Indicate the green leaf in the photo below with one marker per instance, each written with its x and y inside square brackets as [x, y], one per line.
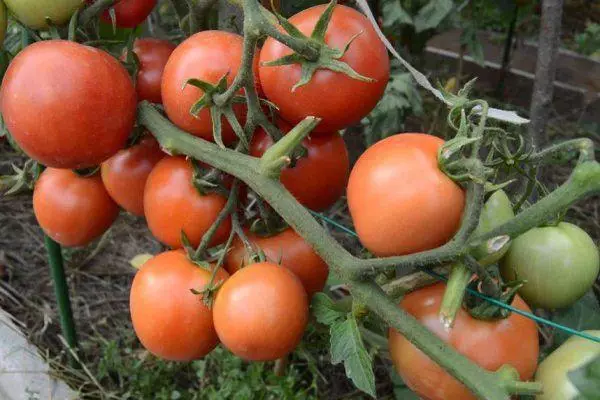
[324, 309]
[583, 315]
[347, 347]
[432, 14]
[470, 39]
[587, 380]
[394, 15]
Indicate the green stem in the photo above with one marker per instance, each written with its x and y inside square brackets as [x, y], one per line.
[94, 10]
[276, 156]
[61, 291]
[225, 212]
[583, 182]
[523, 388]
[454, 294]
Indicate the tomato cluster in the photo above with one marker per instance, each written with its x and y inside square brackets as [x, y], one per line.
[257, 302]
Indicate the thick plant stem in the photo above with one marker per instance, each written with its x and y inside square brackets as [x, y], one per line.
[61, 291]
[454, 294]
[583, 182]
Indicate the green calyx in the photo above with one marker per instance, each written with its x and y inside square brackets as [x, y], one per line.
[23, 179]
[328, 57]
[217, 111]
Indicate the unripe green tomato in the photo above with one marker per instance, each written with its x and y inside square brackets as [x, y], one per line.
[3, 21]
[560, 264]
[571, 355]
[33, 13]
[496, 211]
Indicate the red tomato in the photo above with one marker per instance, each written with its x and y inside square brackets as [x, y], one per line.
[490, 344]
[172, 322]
[125, 174]
[399, 200]
[71, 209]
[130, 13]
[260, 313]
[172, 205]
[153, 55]
[333, 96]
[288, 249]
[318, 180]
[208, 56]
[68, 105]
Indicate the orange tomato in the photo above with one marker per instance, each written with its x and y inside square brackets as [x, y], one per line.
[399, 200]
[71, 209]
[125, 174]
[490, 344]
[172, 204]
[172, 322]
[288, 249]
[260, 313]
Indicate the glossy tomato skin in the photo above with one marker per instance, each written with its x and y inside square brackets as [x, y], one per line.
[153, 55]
[124, 175]
[71, 209]
[288, 249]
[560, 264]
[335, 97]
[78, 122]
[571, 355]
[496, 211]
[130, 13]
[172, 205]
[490, 344]
[33, 13]
[318, 180]
[399, 200]
[208, 56]
[260, 313]
[172, 322]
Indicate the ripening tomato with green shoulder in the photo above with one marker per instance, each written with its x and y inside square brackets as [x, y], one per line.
[82, 98]
[559, 263]
[72, 210]
[124, 175]
[399, 199]
[496, 211]
[168, 318]
[333, 96]
[317, 180]
[260, 313]
[33, 13]
[286, 248]
[207, 56]
[153, 55]
[573, 354]
[490, 344]
[173, 205]
[130, 13]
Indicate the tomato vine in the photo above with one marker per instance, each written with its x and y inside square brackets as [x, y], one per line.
[261, 177]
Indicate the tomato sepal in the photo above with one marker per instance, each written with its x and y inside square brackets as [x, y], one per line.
[328, 57]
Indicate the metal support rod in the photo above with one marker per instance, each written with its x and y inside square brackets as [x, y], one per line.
[61, 291]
